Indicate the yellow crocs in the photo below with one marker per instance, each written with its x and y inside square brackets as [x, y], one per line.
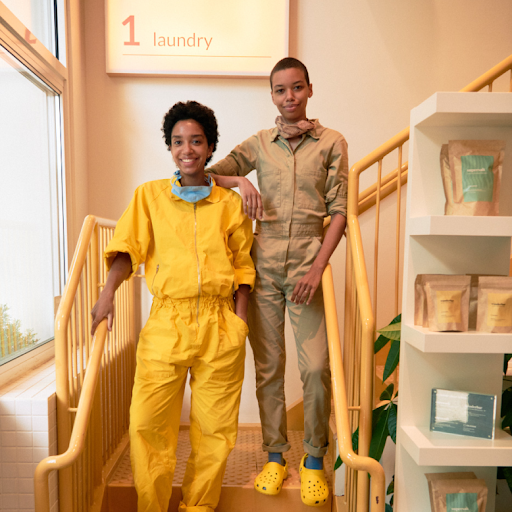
[270, 480]
[314, 490]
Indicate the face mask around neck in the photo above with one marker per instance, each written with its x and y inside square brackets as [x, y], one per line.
[191, 194]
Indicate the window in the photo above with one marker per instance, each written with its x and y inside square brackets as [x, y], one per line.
[43, 19]
[32, 210]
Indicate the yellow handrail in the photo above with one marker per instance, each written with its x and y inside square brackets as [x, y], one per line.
[76, 446]
[357, 462]
[92, 419]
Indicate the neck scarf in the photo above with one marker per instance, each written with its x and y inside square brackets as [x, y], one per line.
[288, 131]
[191, 194]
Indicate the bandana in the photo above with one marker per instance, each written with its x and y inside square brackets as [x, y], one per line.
[288, 131]
[191, 194]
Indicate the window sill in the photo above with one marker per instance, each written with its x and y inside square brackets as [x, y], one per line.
[24, 364]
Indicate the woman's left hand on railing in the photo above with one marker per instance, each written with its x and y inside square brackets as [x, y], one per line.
[104, 308]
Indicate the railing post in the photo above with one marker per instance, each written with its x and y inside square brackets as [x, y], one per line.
[63, 414]
[96, 430]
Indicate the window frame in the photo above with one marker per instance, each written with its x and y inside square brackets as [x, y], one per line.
[24, 47]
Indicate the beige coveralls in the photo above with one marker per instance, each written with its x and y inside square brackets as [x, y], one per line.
[196, 256]
[298, 189]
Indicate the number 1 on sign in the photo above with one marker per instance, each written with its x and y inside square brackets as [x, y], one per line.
[131, 21]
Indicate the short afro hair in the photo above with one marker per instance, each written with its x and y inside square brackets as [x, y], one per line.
[198, 113]
[287, 63]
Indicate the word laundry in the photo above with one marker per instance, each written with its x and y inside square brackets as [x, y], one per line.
[191, 42]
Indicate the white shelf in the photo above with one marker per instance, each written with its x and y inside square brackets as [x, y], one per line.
[471, 342]
[464, 109]
[460, 225]
[438, 449]
[439, 244]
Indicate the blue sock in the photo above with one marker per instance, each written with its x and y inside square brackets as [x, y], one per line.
[276, 457]
[314, 462]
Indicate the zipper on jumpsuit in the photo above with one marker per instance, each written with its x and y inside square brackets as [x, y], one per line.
[198, 268]
[154, 277]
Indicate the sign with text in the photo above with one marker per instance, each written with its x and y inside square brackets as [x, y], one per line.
[195, 37]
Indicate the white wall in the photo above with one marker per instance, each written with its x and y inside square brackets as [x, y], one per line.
[370, 62]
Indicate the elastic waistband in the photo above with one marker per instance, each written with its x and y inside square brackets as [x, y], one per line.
[203, 300]
[285, 229]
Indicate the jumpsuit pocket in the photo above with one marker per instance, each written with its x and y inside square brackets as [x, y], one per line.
[269, 183]
[236, 328]
[310, 188]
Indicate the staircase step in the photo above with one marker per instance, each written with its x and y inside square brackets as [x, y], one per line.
[238, 495]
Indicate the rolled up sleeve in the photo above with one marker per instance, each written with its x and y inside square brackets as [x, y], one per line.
[336, 185]
[240, 162]
[132, 234]
[240, 243]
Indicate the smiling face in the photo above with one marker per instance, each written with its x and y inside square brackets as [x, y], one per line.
[290, 94]
[189, 148]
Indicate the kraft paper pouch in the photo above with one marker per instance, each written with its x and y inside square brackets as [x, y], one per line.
[420, 300]
[447, 302]
[446, 476]
[494, 304]
[473, 299]
[446, 176]
[455, 495]
[476, 175]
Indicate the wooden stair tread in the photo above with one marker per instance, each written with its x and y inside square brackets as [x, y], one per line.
[244, 463]
[238, 494]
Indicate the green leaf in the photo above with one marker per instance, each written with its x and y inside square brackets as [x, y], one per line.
[389, 508]
[506, 402]
[508, 477]
[355, 440]
[376, 415]
[391, 487]
[381, 342]
[338, 463]
[392, 422]
[391, 331]
[396, 320]
[391, 500]
[507, 421]
[380, 434]
[507, 358]
[392, 359]
[388, 392]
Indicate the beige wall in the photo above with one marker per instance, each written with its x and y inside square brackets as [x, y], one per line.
[370, 62]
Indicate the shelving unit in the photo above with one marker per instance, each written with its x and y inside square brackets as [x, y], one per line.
[438, 244]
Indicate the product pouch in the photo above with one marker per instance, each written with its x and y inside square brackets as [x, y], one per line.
[476, 167]
[445, 476]
[446, 176]
[459, 494]
[447, 302]
[420, 300]
[494, 304]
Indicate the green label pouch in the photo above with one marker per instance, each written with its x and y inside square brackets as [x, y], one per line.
[475, 167]
[462, 502]
[477, 177]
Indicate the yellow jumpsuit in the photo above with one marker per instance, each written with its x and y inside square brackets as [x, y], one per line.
[298, 189]
[196, 256]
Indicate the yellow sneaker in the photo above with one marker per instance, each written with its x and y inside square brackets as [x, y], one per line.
[270, 480]
[314, 490]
